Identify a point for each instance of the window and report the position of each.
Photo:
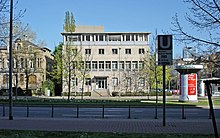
(88, 65)
(72, 38)
(114, 65)
(75, 82)
(5, 78)
(121, 65)
(127, 37)
(128, 81)
(101, 51)
(128, 65)
(88, 51)
(141, 65)
(134, 65)
(94, 65)
(128, 51)
(132, 37)
(108, 65)
(87, 38)
(101, 38)
(31, 62)
(115, 81)
(114, 37)
(22, 63)
(141, 82)
(38, 62)
(114, 51)
(82, 65)
(18, 47)
(96, 38)
(136, 38)
(101, 65)
(88, 81)
(141, 37)
(141, 50)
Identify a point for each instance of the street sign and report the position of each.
(164, 55)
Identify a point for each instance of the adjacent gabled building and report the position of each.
(31, 64)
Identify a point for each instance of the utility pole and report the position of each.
(10, 61)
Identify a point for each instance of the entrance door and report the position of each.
(101, 83)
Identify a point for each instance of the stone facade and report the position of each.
(28, 60)
(110, 61)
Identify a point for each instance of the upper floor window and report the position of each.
(75, 82)
(18, 47)
(128, 65)
(127, 37)
(88, 65)
(101, 65)
(114, 51)
(94, 65)
(128, 51)
(87, 37)
(88, 51)
(101, 51)
(141, 50)
(121, 65)
(101, 38)
(141, 65)
(108, 65)
(114, 65)
(114, 37)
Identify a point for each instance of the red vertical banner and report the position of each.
(192, 84)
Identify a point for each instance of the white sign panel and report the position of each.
(164, 50)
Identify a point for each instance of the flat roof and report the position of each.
(187, 69)
(116, 33)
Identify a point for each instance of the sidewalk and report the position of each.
(111, 125)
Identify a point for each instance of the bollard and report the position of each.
(129, 112)
(183, 112)
(3, 108)
(103, 111)
(27, 110)
(52, 112)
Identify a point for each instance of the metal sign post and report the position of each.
(208, 86)
(164, 56)
(10, 61)
(164, 95)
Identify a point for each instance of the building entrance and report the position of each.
(101, 83)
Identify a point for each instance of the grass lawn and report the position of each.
(59, 134)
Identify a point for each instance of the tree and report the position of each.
(154, 73)
(204, 18)
(69, 22)
(4, 21)
(71, 54)
(57, 69)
